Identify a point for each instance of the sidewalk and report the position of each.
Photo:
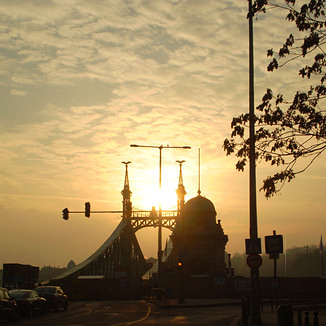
(174, 303)
(268, 317)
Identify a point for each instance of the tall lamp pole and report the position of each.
(159, 249)
(255, 316)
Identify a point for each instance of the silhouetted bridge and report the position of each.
(120, 256)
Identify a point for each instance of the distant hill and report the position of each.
(71, 265)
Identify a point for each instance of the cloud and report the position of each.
(82, 80)
(18, 92)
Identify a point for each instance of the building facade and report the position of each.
(196, 265)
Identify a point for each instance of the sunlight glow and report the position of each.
(149, 195)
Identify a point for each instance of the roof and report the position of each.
(199, 211)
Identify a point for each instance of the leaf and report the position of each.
(273, 65)
(240, 165)
(270, 52)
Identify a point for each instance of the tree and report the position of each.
(287, 131)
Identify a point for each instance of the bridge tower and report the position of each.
(181, 192)
(126, 194)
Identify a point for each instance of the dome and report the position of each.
(201, 205)
(199, 212)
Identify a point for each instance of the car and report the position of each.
(54, 296)
(8, 306)
(29, 302)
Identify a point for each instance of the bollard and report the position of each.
(306, 318)
(285, 315)
(315, 319)
(299, 318)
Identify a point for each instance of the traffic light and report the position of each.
(179, 264)
(87, 209)
(65, 214)
(232, 272)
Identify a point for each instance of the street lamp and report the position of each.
(255, 305)
(159, 250)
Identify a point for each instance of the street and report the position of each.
(119, 313)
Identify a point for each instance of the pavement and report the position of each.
(268, 317)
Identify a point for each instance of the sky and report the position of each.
(82, 80)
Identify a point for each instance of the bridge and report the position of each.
(120, 256)
(142, 219)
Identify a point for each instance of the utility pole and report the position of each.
(255, 309)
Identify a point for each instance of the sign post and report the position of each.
(274, 247)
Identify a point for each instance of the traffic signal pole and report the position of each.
(87, 212)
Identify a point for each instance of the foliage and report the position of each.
(288, 130)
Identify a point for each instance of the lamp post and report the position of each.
(255, 308)
(159, 249)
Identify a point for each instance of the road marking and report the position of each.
(135, 321)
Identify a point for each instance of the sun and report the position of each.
(167, 198)
(150, 195)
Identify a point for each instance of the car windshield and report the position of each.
(17, 294)
(44, 290)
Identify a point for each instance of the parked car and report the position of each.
(8, 306)
(54, 296)
(29, 302)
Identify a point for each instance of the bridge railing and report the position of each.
(141, 219)
(153, 215)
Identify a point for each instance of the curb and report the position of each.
(185, 305)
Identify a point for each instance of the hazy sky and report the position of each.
(82, 80)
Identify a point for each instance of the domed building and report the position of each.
(198, 251)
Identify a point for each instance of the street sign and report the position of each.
(253, 246)
(274, 244)
(254, 261)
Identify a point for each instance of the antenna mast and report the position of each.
(199, 192)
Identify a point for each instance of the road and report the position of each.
(140, 313)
